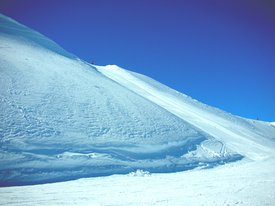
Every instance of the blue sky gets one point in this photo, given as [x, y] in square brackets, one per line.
[219, 52]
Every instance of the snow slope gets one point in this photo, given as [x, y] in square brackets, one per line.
[250, 138]
[12, 28]
[63, 119]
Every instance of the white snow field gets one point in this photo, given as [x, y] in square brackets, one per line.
[62, 119]
[249, 183]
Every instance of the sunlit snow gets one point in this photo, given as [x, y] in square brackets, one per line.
[65, 119]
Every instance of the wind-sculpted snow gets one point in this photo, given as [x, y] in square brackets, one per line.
[63, 119]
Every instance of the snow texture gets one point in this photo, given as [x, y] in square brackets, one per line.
[240, 183]
[64, 119]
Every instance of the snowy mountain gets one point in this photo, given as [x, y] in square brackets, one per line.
[63, 119]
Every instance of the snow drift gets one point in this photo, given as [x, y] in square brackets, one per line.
[62, 118]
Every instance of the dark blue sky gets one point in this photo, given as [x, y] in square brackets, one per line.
[219, 52]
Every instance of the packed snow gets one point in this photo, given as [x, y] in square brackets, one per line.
[64, 119]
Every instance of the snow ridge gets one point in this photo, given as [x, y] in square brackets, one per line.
[18, 31]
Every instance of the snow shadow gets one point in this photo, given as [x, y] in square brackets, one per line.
[40, 166]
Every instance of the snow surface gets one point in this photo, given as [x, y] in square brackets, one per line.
[64, 119]
[54, 107]
[247, 137]
[240, 183]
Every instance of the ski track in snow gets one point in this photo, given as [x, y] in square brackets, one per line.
[64, 119]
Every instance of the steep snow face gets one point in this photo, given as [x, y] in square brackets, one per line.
[63, 119]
